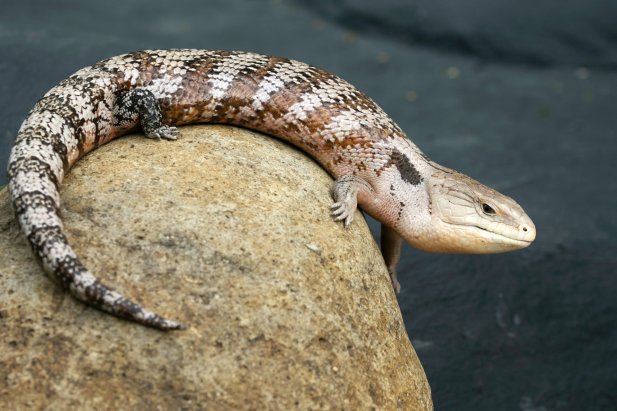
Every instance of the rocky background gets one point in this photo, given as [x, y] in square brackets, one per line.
[520, 95]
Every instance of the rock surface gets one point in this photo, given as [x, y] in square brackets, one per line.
[227, 231]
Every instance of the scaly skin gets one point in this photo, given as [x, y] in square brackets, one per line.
[375, 165]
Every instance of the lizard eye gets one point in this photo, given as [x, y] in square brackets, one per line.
[488, 209]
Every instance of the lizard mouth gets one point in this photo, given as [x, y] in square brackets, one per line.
[473, 239]
[502, 238]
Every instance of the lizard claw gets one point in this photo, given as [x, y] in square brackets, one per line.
[166, 132]
[395, 284]
[343, 211]
[345, 193]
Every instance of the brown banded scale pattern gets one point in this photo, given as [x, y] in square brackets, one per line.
[332, 121]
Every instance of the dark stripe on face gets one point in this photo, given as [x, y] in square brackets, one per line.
[408, 171]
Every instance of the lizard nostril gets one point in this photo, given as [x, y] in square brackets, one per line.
[525, 228]
[527, 232]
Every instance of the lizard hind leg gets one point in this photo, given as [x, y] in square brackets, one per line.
[140, 105]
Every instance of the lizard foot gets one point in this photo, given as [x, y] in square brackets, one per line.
[345, 195]
[395, 284]
[343, 211]
[166, 132]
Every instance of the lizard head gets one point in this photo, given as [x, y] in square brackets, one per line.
[469, 217]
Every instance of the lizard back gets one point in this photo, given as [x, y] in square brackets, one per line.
[329, 119]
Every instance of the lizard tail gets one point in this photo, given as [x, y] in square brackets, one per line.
[36, 168]
[38, 217]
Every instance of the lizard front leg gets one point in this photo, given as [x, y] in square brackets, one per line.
[141, 105]
[345, 192]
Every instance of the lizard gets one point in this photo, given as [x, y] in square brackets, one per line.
[375, 166]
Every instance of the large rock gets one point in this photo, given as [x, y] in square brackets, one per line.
[229, 232]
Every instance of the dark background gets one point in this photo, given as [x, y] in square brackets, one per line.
[521, 95]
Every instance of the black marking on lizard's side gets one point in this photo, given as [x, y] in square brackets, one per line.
[408, 171]
[400, 210]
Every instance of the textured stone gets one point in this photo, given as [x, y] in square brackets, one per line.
[228, 232]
